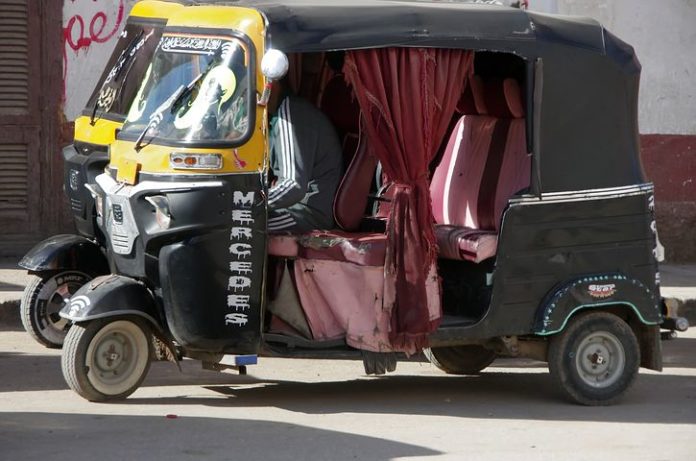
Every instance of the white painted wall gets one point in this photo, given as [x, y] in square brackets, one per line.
[663, 33]
[90, 32]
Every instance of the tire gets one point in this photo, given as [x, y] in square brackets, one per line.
[43, 299]
[460, 360]
[595, 359]
[107, 359]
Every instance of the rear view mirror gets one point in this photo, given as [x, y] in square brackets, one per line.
[274, 64]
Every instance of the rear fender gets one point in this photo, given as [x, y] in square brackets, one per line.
[66, 252]
[597, 292]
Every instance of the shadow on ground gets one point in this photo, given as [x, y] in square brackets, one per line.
[518, 394]
[63, 437]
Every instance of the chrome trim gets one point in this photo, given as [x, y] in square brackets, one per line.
[583, 195]
[107, 183]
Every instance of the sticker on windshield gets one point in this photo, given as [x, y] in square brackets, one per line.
[188, 44]
[217, 88]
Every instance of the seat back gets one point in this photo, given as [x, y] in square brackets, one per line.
[456, 182]
[342, 109]
[516, 167]
[354, 190]
[484, 161]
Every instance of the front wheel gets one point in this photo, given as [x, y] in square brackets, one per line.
[107, 359]
[595, 359]
[43, 299]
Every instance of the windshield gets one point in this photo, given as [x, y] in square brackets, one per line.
[124, 71]
[196, 89]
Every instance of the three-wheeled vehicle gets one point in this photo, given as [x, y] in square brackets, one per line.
[514, 220]
[63, 263]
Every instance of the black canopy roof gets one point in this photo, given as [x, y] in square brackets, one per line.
[584, 121]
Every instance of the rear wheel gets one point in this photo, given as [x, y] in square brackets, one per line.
[595, 359]
[42, 301]
[107, 359]
[460, 360]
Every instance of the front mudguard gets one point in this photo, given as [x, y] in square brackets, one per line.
[66, 252]
[116, 296]
[110, 296]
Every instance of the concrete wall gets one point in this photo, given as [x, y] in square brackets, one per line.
[90, 31]
[663, 33]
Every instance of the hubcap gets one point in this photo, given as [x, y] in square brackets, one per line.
[56, 301]
[600, 359]
[116, 357]
[112, 355]
[52, 297]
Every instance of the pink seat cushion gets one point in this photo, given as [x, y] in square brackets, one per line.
[284, 246]
[456, 242]
[364, 249]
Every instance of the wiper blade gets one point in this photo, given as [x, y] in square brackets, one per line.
[172, 103]
[158, 115]
[126, 57]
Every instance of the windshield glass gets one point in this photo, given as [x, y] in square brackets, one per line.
[124, 71]
[196, 89]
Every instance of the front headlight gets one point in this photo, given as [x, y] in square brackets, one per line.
[182, 161]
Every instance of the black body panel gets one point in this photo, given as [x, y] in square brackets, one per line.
[66, 252]
[211, 259]
[212, 284]
[82, 163]
[110, 296]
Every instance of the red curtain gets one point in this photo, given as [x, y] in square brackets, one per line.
[408, 97]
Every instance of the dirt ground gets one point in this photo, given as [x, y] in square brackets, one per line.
[328, 410]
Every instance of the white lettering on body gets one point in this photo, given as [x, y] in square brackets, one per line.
[242, 199]
[242, 217]
[238, 232]
[238, 302]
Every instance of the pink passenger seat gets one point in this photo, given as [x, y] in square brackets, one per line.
[484, 164]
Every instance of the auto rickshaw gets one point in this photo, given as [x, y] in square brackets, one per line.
[63, 263]
[513, 219]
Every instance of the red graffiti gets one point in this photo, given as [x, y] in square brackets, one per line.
[77, 35]
[238, 162]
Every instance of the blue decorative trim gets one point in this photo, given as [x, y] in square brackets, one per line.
[583, 306]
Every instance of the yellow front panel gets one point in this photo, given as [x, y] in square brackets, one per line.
[251, 156]
[155, 9]
[103, 132]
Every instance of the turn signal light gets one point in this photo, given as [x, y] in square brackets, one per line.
[181, 161]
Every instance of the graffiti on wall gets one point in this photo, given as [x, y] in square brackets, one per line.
[90, 31]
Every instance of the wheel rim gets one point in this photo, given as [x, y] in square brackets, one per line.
[53, 296]
[600, 359]
[117, 357]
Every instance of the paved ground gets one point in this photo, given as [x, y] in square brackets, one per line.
[302, 410]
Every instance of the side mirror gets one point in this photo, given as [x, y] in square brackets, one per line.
[274, 65]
